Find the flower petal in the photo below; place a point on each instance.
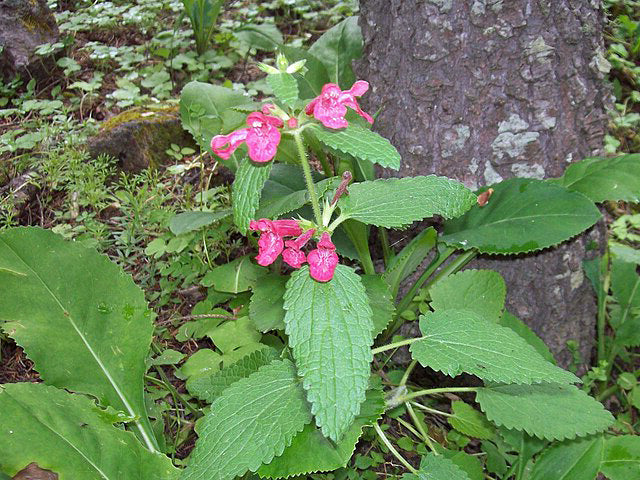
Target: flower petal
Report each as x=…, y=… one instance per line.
x=322, y=264
x=263, y=143
x=270, y=245
x=325, y=242
x=293, y=257
x=359, y=88
x=287, y=228
x=234, y=140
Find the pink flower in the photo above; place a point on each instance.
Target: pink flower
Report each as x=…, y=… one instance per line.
x=323, y=260
x=271, y=242
x=330, y=106
x=262, y=138
x=293, y=254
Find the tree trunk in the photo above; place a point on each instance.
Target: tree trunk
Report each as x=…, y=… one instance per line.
x=488, y=89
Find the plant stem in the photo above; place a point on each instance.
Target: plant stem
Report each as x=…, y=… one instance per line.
x=418, y=424
x=601, y=323
x=392, y=449
x=407, y=372
x=306, y=168
x=394, y=345
x=602, y=396
x=431, y=410
x=431, y=391
x=387, y=253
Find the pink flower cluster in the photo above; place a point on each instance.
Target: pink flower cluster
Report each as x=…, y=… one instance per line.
x=322, y=260
x=263, y=137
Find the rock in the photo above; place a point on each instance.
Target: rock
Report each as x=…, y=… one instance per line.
x=34, y=472
x=24, y=25
x=139, y=137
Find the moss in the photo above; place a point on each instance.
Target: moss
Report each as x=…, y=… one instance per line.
x=33, y=23
x=137, y=114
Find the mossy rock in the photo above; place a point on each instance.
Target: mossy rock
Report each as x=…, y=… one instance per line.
x=140, y=137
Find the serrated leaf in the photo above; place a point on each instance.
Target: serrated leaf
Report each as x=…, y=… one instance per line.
x=360, y=143
x=252, y=422
x=397, y=202
x=523, y=215
x=457, y=341
x=621, y=459
x=69, y=435
x=310, y=451
x=190, y=221
x=547, y=410
x=482, y=291
x=249, y=181
x=600, y=179
x=285, y=88
x=570, y=460
x=409, y=258
x=330, y=332
x=266, y=309
x=514, y=323
x=436, y=467
x=469, y=421
x=208, y=387
x=79, y=318
x=236, y=276
x=310, y=84
x=380, y=301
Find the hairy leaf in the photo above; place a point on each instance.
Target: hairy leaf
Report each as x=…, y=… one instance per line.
x=330, y=331
x=266, y=309
x=250, y=178
x=437, y=467
x=397, y=202
x=514, y=323
x=603, y=179
x=69, y=435
x=625, y=285
x=311, y=452
x=190, y=221
x=470, y=421
x=547, y=410
x=570, y=460
x=621, y=459
x=380, y=302
x=252, y=422
x=285, y=88
x=82, y=321
x=236, y=276
x=360, y=143
x=482, y=291
x=523, y=215
x=457, y=341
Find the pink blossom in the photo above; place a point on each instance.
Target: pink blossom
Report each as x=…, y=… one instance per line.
x=330, y=106
x=293, y=254
x=323, y=260
x=262, y=138
x=270, y=246
x=271, y=242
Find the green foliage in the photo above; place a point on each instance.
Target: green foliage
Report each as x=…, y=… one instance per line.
x=250, y=178
x=323, y=322
x=521, y=328
x=285, y=88
x=237, y=276
x=187, y=222
x=380, y=301
x=523, y=215
x=203, y=15
x=436, y=467
x=469, y=421
x=570, y=460
x=249, y=424
x=621, y=459
x=267, y=303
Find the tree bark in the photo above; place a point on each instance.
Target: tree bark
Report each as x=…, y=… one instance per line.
x=484, y=90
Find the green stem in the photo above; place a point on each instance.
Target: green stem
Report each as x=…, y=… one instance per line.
x=306, y=168
x=602, y=396
x=387, y=253
x=314, y=144
x=394, y=345
x=392, y=449
x=602, y=321
x=418, y=424
x=432, y=410
x=407, y=372
x=432, y=391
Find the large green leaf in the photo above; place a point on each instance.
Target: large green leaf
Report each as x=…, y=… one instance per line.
x=310, y=451
x=570, y=460
x=252, y=422
x=285, y=88
x=361, y=143
x=249, y=181
x=437, y=467
x=80, y=319
x=621, y=459
x=263, y=36
x=267, y=304
x=523, y=215
x=337, y=48
x=625, y=285
x=330, y=331
x=457, y=341
x=310, y=84
x=397, y=202
x=69, y=435
x=529, y=336
x=380, y=301
x=186, y=222
x=236, y=276
x=547, y=410
x=482, y=291
x=470, y=421
x=603, y=179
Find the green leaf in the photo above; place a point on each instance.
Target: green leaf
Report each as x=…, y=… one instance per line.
x=285, y=88
x=252, y=422
x=468, y=463
x=457, y=341
x=469, y=421
x=380, y=301
x=514, y=323
x=190, y=221
x=337, y=48
x=310, y=85
x=236, y=276
x=409, y=258
x=570, y=460
x=397, y=202
x=264, y=36
x=602, y=179
x=525, y=445
x=625, y=285
x=249, y=181
x=437, y=467
x=69, y=435
x=523, y=215
x=79, y=318
x=624, y=252
x=266, y=309
x=547, y=410
x=209, y=387
x=311, y=452
x=361, y=143
x=330, y=332
x=482, y=291
x=621, y=459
